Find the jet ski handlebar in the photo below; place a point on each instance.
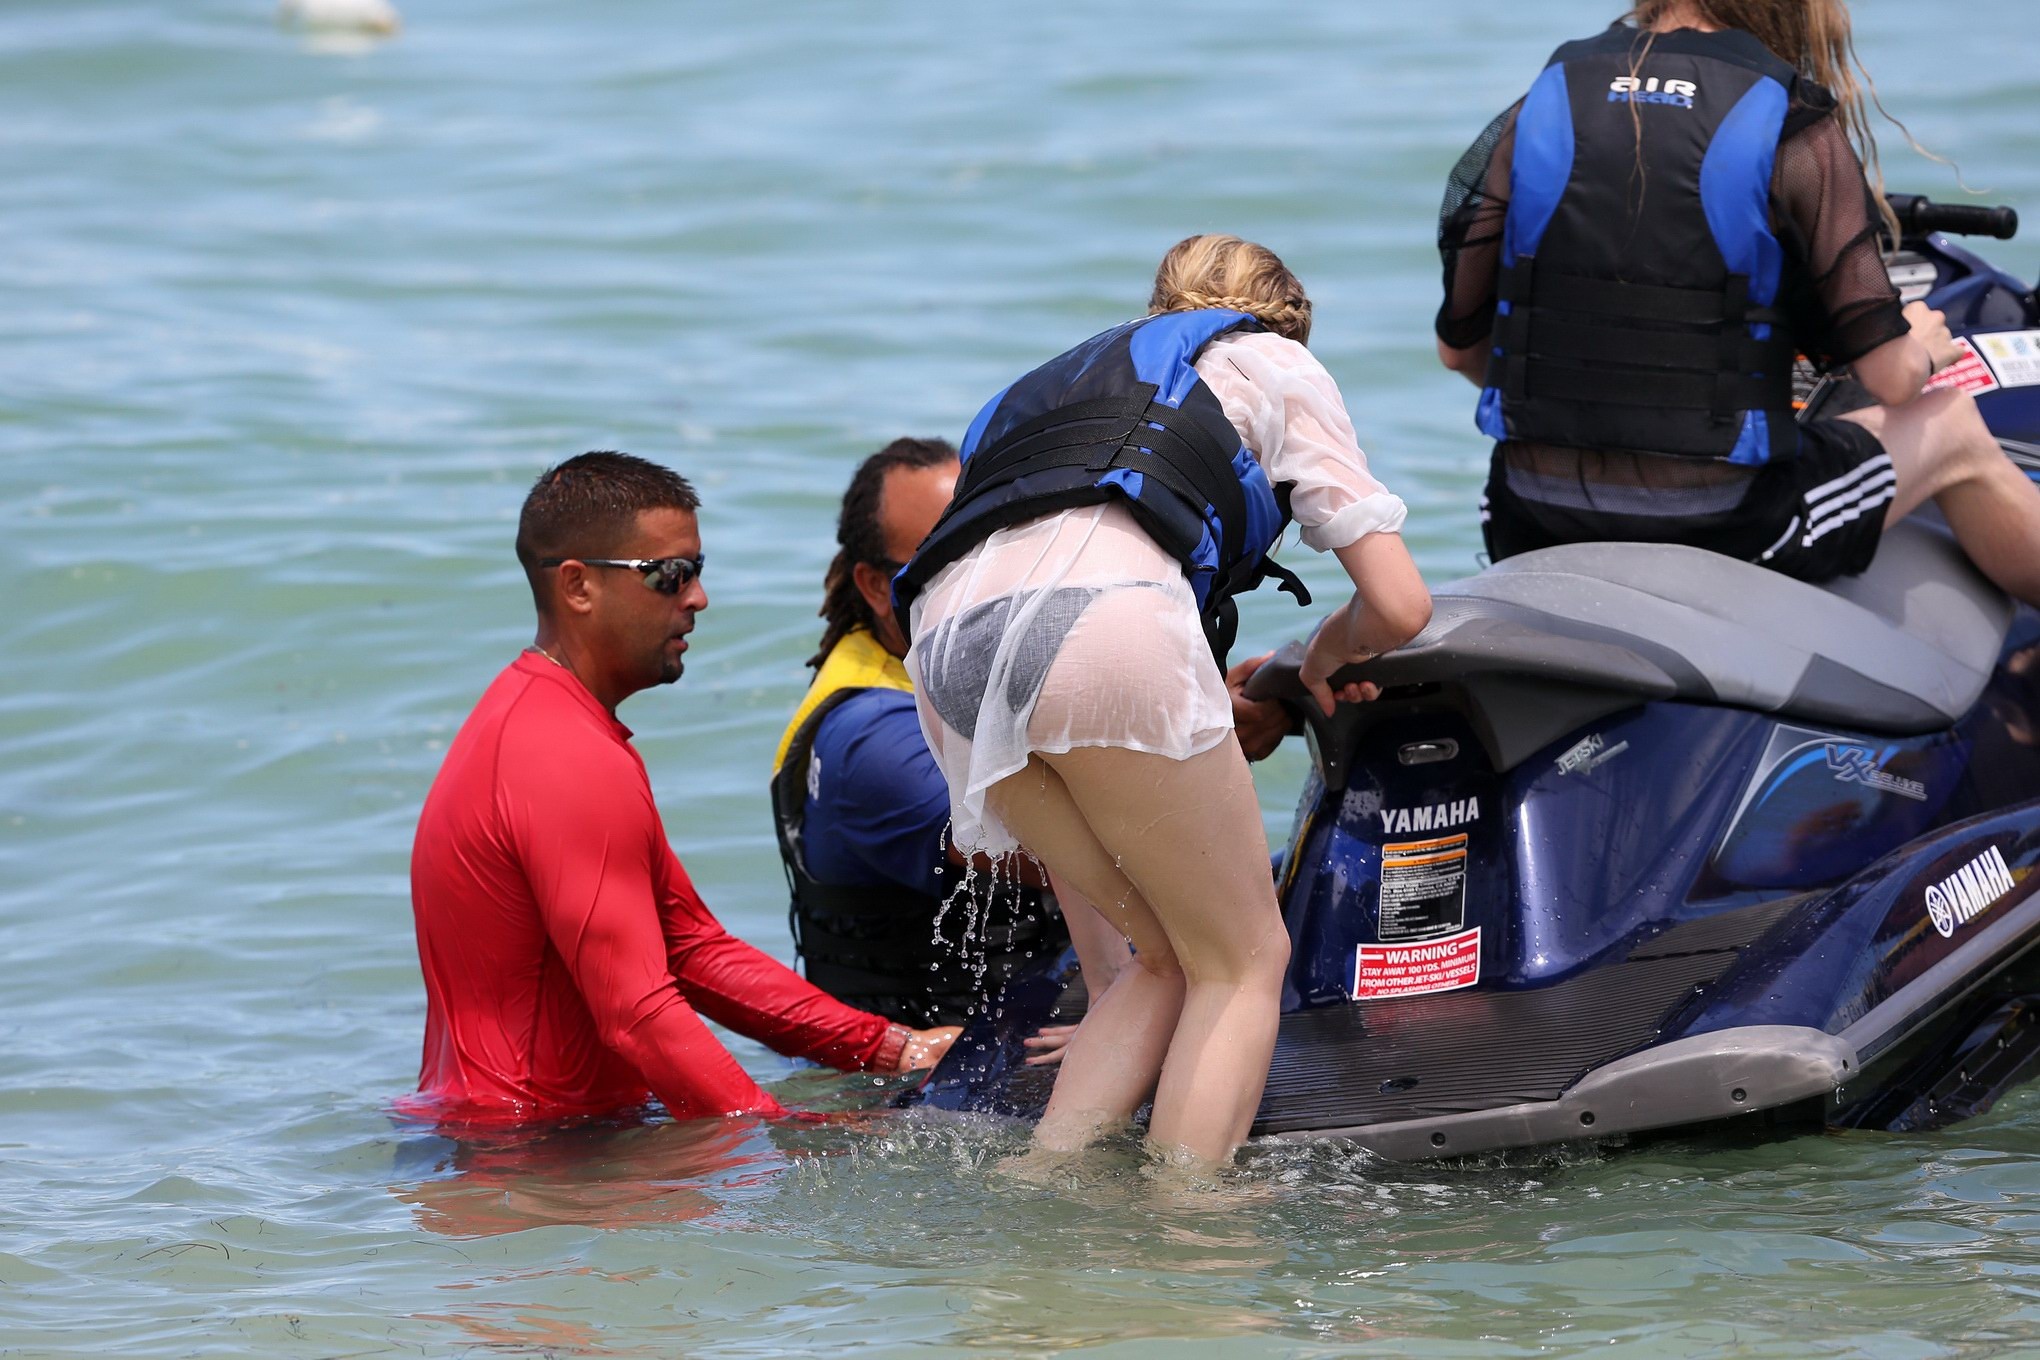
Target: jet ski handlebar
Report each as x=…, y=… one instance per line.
x=1280, y=677
x=1277, y=678
x=1918, y=215
x=1415, y=662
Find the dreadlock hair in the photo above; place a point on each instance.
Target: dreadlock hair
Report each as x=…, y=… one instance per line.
x=588, y=506
x=861, y=537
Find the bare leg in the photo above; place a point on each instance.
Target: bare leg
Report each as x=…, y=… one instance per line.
x=1941, y=450
x=1101, y=947
x=1188, y=836
x=1110, y=1067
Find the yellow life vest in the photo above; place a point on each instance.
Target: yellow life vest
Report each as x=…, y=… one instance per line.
x=879, y=946
x=857, y=662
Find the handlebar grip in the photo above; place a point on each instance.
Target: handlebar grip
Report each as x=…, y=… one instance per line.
x=1918, y=215
x=2002, y=223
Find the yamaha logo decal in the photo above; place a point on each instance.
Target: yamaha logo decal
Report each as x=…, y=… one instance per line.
x=1435, y=817
x=1968, y=892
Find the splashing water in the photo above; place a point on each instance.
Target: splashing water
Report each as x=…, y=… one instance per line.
x=984, y=896
x=974, y=894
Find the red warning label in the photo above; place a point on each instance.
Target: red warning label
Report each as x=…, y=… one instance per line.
x=1415, y=969
x=1970, y=373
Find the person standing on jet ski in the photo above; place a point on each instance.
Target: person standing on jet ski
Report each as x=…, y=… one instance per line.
x=1635, y=252
x=1065, y=614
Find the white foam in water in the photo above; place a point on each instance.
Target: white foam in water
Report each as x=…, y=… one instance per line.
x=341, y=16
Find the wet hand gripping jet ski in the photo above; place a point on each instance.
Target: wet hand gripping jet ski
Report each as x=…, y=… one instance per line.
x=1641, y=837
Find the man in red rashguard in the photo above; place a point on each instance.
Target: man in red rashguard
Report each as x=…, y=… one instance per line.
x=567, y=958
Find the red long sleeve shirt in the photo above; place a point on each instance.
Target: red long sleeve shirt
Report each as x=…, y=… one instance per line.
x=565, y=951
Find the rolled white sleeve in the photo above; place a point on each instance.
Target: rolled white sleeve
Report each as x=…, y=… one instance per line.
x=1289, y=413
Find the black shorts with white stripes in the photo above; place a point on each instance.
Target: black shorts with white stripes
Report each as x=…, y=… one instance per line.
x=1815, y=517
x=1832, y=499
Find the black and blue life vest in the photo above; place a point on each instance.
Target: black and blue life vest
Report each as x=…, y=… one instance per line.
x=1124, y=417
x=1639, y=269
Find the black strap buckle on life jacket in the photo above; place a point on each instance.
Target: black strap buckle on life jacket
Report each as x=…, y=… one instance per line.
x=1222, y=616
x=1570, y=338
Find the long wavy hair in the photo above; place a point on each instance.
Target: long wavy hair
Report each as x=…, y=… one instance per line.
x=1817, y=38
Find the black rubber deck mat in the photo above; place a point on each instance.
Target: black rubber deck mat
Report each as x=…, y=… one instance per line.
x=1421, y=1057
x=1417, y=1057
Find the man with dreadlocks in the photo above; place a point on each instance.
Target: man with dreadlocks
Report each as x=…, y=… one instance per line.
x=860, y=808
x=1634, y=254
x=863, y=811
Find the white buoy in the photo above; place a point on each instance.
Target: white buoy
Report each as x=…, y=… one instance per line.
x=341, y=16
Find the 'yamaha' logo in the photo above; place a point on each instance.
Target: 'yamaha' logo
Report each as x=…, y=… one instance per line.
x=1942, y=915
x=1436, y=817
x=1969, y=892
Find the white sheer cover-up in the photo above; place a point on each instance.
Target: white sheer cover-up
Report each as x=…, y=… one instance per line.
x=1076, y=629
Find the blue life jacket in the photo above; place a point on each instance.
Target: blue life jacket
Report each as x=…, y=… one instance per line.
x=1639, y=269
x=1125, y=417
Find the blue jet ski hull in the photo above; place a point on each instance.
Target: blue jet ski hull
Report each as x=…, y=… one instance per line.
x=1639, y=838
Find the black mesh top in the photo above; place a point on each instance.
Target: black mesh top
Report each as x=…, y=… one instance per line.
x=1835, y=294
x=1836, y=297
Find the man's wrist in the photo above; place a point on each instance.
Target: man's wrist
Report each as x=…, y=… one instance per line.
x=891, y=1048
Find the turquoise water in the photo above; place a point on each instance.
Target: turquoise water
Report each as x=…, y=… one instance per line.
x=288, y=327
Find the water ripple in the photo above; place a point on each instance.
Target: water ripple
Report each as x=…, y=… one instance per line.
x=288, y=332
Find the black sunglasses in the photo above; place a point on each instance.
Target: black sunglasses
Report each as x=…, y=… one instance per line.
x=667, y=575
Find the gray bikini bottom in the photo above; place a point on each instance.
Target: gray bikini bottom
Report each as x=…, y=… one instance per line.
x=956, y=656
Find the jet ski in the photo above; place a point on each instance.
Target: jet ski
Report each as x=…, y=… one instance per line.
x=1643, y=838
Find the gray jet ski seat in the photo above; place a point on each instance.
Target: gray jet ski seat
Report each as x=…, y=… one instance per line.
x=1545, y=641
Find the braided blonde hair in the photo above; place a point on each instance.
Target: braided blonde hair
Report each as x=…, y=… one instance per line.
x=1226, y=272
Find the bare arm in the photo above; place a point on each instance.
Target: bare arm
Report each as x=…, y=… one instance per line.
x=1895, y=371
x=1260, y=724
x=1389, y=606
x=1469, y=363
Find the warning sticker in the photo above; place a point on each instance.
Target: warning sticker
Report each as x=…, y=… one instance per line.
x=1423, y=888
x=2014, y=354
x=1969, y=373
x=1417, y=969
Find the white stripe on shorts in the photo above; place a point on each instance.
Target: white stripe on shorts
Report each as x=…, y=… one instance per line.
x=1870, y=497
x=1845, y=487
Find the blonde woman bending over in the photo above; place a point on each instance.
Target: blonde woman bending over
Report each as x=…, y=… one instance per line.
x=1071, y=612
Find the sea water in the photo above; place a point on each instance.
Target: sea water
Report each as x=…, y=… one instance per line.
x=290, y=323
